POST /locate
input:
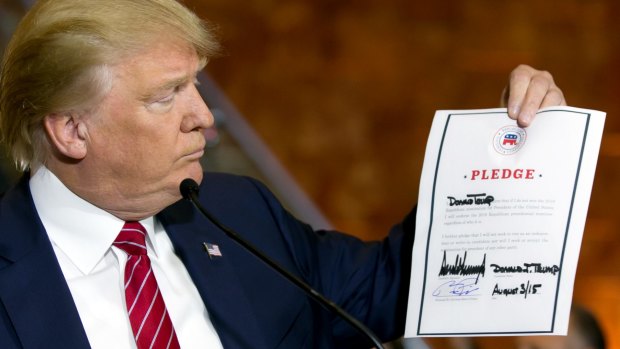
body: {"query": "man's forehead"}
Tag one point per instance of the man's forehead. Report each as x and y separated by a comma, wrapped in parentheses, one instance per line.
(161, 65)
(161, 52)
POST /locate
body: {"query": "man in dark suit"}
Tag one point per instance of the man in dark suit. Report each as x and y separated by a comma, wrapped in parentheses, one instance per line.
(100, 110)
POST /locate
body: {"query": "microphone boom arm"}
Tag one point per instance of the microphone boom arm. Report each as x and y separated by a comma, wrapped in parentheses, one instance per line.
(190, 190)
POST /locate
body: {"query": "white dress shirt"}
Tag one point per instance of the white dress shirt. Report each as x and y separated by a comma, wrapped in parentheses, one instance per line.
(82, 235)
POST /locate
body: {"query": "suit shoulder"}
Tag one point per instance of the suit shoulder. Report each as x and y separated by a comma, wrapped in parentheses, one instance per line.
(217, 184)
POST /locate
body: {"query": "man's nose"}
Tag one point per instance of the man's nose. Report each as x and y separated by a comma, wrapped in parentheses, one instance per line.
(198, 115)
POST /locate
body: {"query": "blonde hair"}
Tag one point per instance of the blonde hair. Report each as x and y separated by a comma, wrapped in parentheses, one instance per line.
(59, 57)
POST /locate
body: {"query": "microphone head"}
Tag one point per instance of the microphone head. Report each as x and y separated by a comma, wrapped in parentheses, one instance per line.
(188, 187)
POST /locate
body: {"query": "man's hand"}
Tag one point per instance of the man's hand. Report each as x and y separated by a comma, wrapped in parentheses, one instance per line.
(529, 90)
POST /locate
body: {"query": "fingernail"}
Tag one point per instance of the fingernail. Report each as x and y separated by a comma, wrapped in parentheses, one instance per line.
(514, 111)
(525, 119)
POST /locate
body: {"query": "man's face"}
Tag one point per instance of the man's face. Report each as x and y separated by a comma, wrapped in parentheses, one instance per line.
(146, 135)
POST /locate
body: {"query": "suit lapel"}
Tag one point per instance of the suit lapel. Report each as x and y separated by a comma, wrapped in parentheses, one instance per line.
(215, 277)
(32, 287)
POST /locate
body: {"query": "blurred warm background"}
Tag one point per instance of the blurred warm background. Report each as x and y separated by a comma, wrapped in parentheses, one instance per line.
(343, 93)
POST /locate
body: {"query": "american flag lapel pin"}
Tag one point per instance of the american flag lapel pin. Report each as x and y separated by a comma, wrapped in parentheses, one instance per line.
(212, 249)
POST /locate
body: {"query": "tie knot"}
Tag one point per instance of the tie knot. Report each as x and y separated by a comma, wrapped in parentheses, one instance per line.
(132, 239)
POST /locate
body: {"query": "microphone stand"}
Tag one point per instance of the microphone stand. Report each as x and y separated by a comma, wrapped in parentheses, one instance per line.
(189, 190)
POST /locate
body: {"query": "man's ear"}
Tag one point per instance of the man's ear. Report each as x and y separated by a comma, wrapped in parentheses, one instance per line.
(67, 134)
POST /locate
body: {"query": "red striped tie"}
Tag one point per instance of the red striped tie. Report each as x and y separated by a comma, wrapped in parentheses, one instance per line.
(149, 318)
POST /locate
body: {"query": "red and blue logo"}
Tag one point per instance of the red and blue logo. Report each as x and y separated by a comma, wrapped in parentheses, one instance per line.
(509, 140)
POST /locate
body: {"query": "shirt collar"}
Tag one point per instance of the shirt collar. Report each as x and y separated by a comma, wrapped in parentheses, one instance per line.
(83, 231)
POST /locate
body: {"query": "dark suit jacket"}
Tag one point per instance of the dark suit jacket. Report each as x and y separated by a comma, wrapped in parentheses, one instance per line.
(250, 305)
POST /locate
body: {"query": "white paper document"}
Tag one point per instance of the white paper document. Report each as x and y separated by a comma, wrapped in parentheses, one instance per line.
(500, 218)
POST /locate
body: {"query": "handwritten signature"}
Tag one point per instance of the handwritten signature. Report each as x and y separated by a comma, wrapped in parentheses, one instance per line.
(460, 267)
(472, 199)
(526, 268)
(455, 288)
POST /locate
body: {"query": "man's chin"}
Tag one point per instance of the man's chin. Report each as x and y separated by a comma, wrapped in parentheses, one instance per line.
(195, 173)
(198, 177)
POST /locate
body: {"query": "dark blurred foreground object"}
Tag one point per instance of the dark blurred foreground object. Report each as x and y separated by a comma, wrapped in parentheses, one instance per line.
(584, 332)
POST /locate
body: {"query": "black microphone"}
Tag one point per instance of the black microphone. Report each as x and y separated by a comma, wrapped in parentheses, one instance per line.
(189, 190)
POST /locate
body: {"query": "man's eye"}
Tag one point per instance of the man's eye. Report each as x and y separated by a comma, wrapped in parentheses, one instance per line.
(166, 100)
(161, 105)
